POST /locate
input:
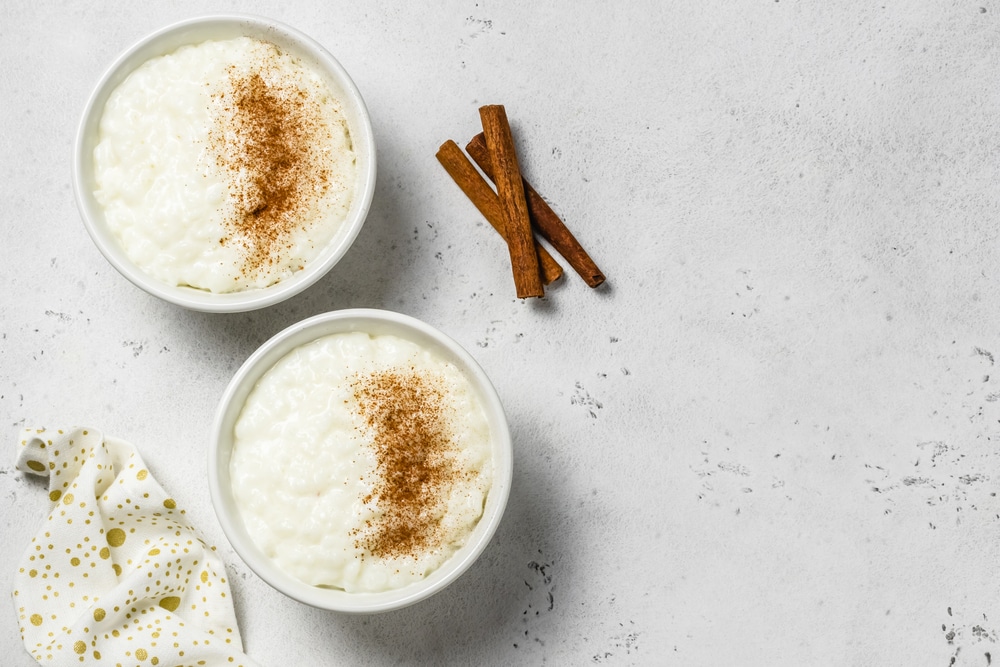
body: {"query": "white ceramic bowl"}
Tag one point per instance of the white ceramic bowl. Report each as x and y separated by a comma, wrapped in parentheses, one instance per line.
(375, 322)
(194, 31)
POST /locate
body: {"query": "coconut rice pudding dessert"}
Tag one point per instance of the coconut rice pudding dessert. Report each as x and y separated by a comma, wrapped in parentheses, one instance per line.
(361, 462)
(224, 166)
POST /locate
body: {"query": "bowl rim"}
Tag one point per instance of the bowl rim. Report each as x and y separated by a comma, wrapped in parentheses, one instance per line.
(375, 322)
(362, 138)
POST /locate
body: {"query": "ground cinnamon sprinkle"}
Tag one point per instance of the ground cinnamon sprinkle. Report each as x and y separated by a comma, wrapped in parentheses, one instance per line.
(268, 140)
(413, 446)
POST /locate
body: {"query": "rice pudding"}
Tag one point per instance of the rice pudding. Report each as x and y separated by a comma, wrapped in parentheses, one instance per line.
(224, 166)
(361, 462)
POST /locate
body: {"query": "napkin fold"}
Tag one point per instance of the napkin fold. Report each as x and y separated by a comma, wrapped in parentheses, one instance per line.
(117, 575)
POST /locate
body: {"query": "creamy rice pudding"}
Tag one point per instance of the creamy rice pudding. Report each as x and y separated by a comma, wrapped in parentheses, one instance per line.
(224, 166)
(361, 462)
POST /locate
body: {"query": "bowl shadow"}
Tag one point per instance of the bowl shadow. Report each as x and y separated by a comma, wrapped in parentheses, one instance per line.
(485, 611)
(363, 278)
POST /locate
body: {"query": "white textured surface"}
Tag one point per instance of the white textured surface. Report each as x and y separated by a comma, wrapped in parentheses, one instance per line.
(772, 438)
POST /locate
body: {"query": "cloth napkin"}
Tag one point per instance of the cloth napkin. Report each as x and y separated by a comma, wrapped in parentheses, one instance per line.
(117, 575)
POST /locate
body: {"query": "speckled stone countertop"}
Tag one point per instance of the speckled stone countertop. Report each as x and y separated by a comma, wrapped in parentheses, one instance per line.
(770, 438)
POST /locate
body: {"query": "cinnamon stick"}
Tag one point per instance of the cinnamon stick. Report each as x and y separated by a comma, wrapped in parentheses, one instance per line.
(510, 191)
(475, 187)
(545, 220)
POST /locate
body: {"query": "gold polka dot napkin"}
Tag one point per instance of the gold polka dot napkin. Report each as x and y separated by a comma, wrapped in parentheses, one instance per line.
(117, 575)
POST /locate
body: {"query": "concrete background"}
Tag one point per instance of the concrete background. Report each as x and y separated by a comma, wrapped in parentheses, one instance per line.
(771, 438)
